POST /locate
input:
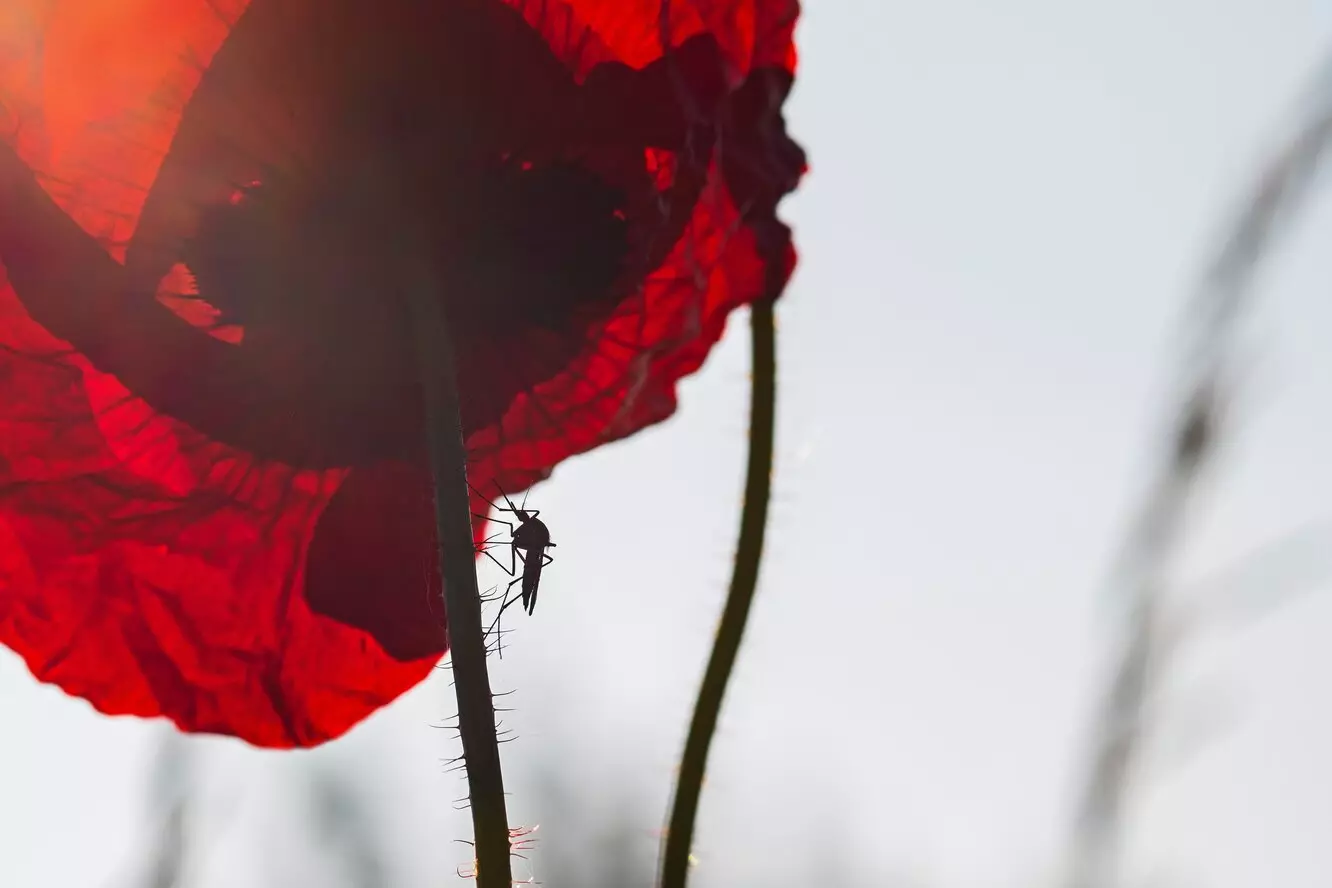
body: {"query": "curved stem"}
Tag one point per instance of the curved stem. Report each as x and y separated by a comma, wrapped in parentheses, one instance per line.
(462, 600)
(749, 551)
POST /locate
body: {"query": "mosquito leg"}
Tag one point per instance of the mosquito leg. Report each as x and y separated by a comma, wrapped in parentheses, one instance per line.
(507, 524)
(490, 540)
(512, 508)
(511, 569)
(518, 578)
(503, 608)
(499, 637)
(489, 502)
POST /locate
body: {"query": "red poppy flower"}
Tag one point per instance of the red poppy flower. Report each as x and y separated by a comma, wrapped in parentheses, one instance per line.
(214, 505)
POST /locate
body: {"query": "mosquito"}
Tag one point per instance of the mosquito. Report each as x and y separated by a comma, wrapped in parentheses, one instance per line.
(533, 538)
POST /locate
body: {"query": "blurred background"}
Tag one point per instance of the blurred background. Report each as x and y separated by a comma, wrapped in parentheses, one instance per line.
(1009, 207)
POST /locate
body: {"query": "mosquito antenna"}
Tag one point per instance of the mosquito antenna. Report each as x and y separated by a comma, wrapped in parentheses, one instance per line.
(525, 493)
(505, 495)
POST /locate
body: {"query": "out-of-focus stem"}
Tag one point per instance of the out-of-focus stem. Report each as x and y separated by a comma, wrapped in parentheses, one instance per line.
(462, 599)
(1098, 830)
(1223, 298)
(171, 798)
(753, 521)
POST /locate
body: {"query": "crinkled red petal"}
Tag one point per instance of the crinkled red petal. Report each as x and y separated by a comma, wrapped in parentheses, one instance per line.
(150, 564)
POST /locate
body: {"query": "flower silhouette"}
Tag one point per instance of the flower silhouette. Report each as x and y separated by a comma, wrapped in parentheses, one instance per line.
(214, 500)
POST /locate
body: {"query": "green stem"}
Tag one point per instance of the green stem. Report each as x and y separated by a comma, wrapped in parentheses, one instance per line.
(749, 552)
(462, 599)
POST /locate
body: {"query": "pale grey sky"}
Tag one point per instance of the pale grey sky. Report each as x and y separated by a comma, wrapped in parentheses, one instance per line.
(1008, 205)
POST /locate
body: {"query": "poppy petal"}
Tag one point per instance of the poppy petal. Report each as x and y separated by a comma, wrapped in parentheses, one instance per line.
(203, 514)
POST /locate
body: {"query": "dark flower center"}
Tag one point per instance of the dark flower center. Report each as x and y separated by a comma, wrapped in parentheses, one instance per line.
(537, 244)
(332, 150)
(306, 169)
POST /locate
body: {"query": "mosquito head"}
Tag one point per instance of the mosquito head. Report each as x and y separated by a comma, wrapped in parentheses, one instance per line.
(519, 510)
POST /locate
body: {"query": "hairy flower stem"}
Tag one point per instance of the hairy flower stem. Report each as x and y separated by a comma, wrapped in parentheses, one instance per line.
(462, 599)
(753, 521)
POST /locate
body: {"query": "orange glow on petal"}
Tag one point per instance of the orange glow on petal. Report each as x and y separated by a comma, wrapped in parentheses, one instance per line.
(95, 90)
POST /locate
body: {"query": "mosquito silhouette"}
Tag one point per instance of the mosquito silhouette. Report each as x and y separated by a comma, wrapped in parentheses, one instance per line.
(532, 537)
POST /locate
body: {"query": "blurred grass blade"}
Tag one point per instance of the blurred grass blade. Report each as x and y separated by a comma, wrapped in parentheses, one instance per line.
(1213, 325)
